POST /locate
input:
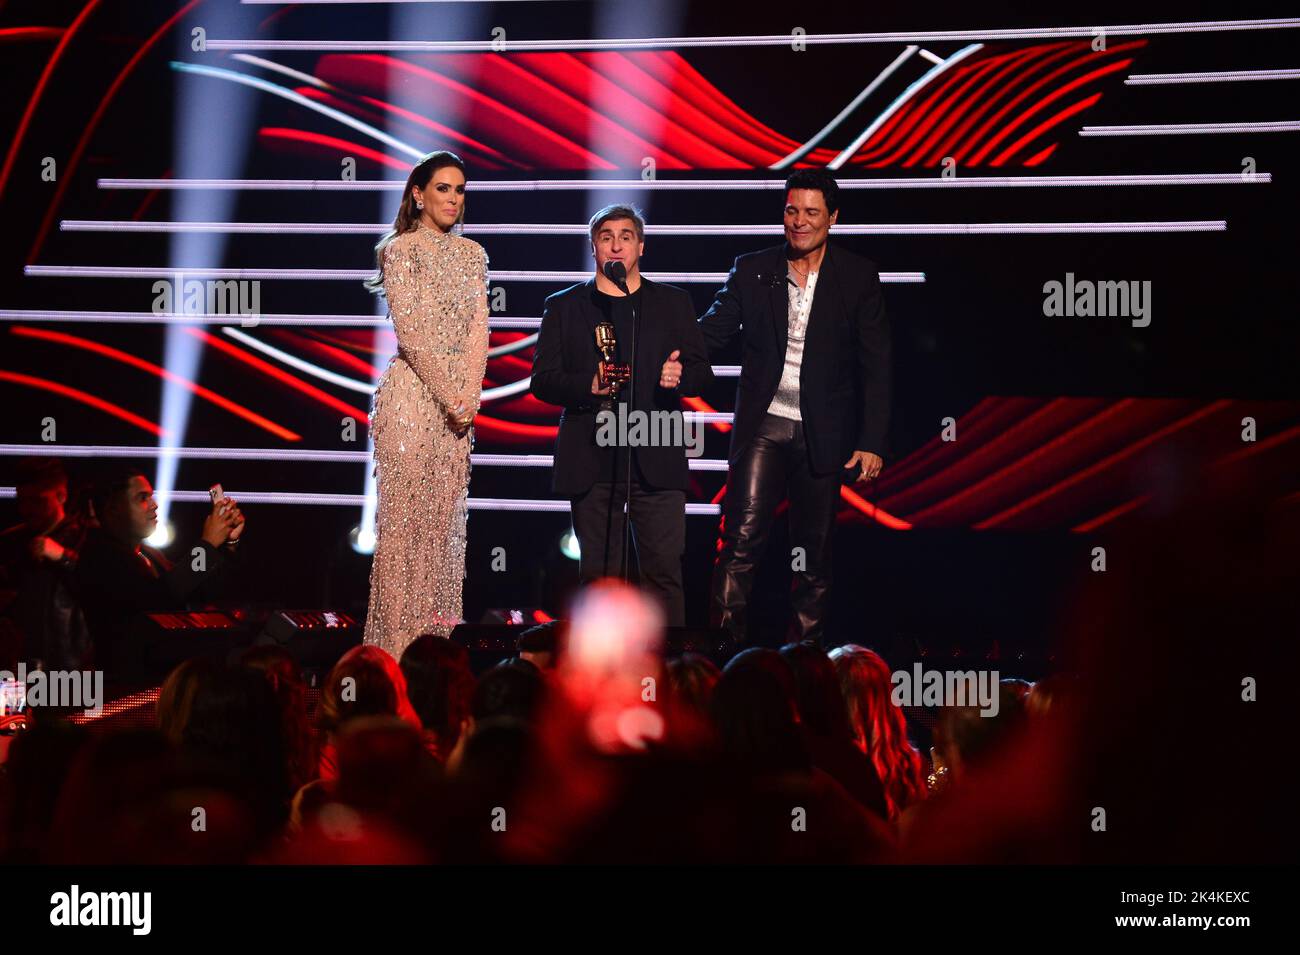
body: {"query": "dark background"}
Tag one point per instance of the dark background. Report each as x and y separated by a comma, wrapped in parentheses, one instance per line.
(1224, 304)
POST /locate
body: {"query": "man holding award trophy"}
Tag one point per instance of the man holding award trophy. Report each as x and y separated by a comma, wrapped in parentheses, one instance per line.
(618, 352)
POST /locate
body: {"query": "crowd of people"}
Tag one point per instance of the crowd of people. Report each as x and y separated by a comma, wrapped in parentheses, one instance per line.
(789, 755)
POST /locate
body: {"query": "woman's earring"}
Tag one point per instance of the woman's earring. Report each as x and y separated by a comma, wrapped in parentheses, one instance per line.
(419, 205)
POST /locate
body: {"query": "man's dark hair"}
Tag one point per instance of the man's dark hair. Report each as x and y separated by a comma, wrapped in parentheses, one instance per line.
(539, 639)
(40, 473)
(756, 714)
(511, 692)
(691, 679)
(440, 685)
(618, 211)
(818, 179)
(111, 482)
(822, 709)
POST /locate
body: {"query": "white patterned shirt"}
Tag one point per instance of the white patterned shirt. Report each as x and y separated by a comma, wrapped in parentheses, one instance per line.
(785, 403)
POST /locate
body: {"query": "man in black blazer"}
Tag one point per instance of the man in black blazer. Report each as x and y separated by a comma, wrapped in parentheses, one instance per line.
(812, 405)
(600, 440)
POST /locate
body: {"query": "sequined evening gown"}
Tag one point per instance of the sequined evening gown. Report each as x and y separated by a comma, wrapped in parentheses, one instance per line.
(436, 287)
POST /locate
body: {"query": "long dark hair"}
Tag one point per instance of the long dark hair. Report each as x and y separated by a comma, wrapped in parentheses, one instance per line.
(284, 676)
(440, 685)
(407, 214)
(821, 704)
(756, 714)
(879, 727)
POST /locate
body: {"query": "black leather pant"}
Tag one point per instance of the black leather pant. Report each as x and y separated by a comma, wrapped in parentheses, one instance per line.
(775, 463)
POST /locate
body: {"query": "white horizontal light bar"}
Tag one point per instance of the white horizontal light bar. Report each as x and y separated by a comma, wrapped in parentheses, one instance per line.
(281, 454)
(357, 500)
(356, 275)
(581, 229)
(780, 39)
(629, 185)
(93, 317)
(1186, 129)
(1224, 76)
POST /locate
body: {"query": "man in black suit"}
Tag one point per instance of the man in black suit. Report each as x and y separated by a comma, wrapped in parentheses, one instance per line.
(812, 405)
(624, 416)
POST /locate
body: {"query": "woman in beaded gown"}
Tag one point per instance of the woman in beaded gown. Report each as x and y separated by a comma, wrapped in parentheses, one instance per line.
(435, 281)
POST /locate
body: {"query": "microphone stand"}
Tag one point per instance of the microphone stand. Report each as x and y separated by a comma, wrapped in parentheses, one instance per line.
(606, 345)
(625, 562)
(631, 402)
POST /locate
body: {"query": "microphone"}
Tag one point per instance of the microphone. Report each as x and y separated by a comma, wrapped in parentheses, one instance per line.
(616, 272)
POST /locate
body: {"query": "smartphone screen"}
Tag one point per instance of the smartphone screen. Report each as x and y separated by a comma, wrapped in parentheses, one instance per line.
(13, 697)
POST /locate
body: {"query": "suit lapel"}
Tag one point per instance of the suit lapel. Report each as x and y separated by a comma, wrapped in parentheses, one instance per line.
(594, 315)
(778, 299)
(820, 320)
(644, 382)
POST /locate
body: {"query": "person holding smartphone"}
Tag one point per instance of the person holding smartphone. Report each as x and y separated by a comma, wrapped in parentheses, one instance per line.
(120, 576)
